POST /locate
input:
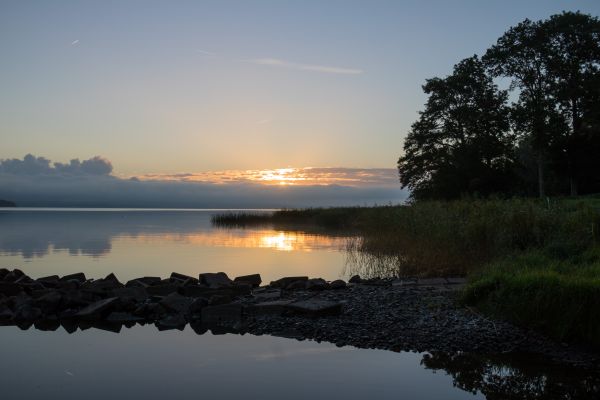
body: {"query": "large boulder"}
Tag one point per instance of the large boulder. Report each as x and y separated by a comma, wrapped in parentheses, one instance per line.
(176, 303)
(96, 309)
(284, 282)
(144, 281)
(254, 280)
(79, 277)
(183, 279)
(337, 284)
(215, 280)
(276, 307)
(317, 284)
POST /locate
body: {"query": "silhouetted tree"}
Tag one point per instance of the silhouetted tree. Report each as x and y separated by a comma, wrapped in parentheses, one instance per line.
(573, 65)
(521, 54)
(461, 143)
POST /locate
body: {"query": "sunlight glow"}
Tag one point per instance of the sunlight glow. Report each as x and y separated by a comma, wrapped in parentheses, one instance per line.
(306, 176)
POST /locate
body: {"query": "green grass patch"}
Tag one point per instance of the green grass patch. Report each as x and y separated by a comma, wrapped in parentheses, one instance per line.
(558, 297)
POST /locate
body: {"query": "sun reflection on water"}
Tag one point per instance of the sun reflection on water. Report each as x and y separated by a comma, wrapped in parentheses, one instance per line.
(241, 238)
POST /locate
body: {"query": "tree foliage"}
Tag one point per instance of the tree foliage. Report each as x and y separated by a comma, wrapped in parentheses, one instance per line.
(468, 140)
(461, 142)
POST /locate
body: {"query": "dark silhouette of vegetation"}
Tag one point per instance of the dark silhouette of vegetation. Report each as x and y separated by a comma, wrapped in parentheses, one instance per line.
(507, 377)
(468, 141)
(6, 203)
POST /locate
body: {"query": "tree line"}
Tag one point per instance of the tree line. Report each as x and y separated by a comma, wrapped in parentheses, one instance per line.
(470, 140)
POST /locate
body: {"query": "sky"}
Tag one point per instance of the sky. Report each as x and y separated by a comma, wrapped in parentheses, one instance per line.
(168, 89)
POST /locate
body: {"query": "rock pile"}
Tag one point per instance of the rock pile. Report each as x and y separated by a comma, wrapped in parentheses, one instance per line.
(392, 314)
(212, 298)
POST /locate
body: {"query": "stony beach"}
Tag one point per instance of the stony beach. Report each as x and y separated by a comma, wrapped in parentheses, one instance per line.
(392, 314)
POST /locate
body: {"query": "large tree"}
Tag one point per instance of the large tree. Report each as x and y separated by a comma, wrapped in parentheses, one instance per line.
(461, 143)
(521, 54)
(573, 65)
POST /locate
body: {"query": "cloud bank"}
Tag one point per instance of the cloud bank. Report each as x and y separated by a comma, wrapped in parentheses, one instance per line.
(38, 182)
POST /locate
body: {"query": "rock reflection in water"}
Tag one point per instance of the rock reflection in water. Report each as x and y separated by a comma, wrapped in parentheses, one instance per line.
(497, 377)
(510, 376)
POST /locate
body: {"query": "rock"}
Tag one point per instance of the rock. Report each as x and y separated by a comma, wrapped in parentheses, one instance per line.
(197, 305)
(266, 295)
(176, 302)
(162, 289)
(315, 307)
(222, 313)
(10, 288)
(355, 279)
(112, 278)
(94, 310)
(297, 285)
(13, 275)
(144, 282)
(150, 311)
(218, 299)
(240, 289)
(49, 302)
(126, 294)
(176, 321)
(104, 325)
(317, 284)
(194, 291)
(27, 313)
(79, 277)
(3, 273)
(49, 281)
(123, 318)
(47, 324)
(69, 326)
(337, 284)
(268, 307)
(5, 314)
(215, 280)
(71, 284)
(183, 278)
(101, 285)
(284, 282)
(254, 280)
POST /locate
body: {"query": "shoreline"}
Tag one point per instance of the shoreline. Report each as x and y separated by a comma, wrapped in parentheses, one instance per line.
(420, 315)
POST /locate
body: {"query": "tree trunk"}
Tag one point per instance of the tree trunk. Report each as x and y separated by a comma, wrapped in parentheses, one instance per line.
(541, 184)
(574, 147)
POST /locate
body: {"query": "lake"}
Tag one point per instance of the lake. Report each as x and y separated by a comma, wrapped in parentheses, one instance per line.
(142, 362)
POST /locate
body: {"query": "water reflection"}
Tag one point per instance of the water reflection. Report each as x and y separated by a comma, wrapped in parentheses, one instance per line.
(496, 376)
(510, 376)
(89, 233)
(134, 243)
(144, 363)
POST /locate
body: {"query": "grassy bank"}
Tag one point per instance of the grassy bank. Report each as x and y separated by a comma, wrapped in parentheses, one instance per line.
(536, 263)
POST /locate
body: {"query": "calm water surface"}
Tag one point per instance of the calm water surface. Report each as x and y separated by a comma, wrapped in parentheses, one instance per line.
(142, 362)
(133, 243)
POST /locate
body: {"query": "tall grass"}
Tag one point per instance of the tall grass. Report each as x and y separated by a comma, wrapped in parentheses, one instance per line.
(536, 263)
(558, 296)
(444, 238)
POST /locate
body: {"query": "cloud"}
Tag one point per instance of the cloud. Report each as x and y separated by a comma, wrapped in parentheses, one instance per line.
(37, 182)
(307, 176)
(32, 165)
(275, 62)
